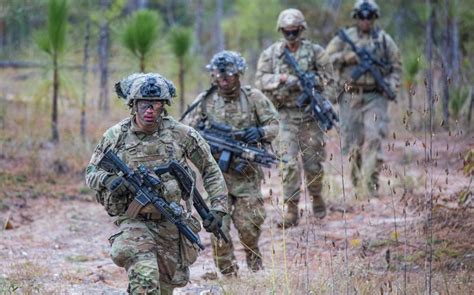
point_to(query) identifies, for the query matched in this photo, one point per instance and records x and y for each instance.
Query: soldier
(363, 103)
(150, 247)
(299, 132)
(243, 108)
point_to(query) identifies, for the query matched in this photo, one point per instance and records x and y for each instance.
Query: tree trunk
(445, 86)
(142, 64)
(198, 8)
(218, 33)
(104, 47)
(429, 57)
(455, 47)
(54, 113)
(181, 85)
(84, 80)
(328, 26)
(142, 4)
(446, 62)
(169, 12)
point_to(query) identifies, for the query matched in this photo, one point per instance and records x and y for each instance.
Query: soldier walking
(154, 253)
(247, 109)
(367, 65)
(300, 135)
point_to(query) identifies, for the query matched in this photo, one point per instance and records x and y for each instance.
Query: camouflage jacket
(271, 64)
(379, 43)
(252, 108)
(172, 141)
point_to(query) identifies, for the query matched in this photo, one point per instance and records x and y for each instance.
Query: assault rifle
(187, 184)
(145, 185)
(368, 64)
(321, 108)
(223, 140)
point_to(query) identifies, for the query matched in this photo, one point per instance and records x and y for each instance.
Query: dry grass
(32, 167)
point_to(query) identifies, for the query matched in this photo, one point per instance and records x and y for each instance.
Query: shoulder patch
(113, 132)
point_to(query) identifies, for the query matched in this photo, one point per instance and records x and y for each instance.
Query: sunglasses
(144, 105)
(365, 15)
(293, 33)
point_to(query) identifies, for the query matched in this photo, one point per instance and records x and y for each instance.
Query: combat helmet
(291, 17)
(227, 62)
(151, 86)
(366, 7)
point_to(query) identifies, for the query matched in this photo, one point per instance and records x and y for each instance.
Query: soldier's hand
(214, 221)
(351, 58)
(292, 80)
(253, 134)
(118, 186)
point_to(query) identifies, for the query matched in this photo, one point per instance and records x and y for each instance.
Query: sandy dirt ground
(59, 245)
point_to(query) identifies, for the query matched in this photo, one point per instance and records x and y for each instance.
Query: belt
(361, 89)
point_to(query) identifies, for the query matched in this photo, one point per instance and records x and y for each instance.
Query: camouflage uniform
(151, 249)
(248, 108)
(363, 108)
(299, 132)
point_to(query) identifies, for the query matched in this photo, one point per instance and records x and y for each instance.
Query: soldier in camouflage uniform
(299, 132)
(151, 249)
(243, 108)
(363, 107)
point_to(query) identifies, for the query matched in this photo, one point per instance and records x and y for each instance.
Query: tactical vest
(377, 46)
(240, 114)
(156, 149)
(285, 96)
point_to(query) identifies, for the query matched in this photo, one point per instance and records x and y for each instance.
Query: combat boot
(373, 181)
(319, 207)
(230, 271)
(291, 216)
(254, 259)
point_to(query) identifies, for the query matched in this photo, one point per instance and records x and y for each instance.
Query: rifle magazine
(133, 209)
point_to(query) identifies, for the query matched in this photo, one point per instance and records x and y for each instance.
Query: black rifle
(223, 140)
(321, 108)
(368, 64)
(187, 184)
(145, 186)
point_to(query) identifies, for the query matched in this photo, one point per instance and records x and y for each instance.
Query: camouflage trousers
(300, 137)
(247, 213)
(364, 124)
(152, 254)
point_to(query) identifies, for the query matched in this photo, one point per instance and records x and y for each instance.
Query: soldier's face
(365, 21)
(148, 112)
(226, 82)
(291, 33)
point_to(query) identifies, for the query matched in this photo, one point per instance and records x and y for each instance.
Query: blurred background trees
(181, 41)
(52, 41)
(126, 36)
(139, 34)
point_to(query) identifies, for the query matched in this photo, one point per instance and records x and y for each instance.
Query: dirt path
(59, 246)
(64, 247)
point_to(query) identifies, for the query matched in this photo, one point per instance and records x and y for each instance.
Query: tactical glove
(253, 134)
(118, 186)
(214, 221)
(351, 58)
